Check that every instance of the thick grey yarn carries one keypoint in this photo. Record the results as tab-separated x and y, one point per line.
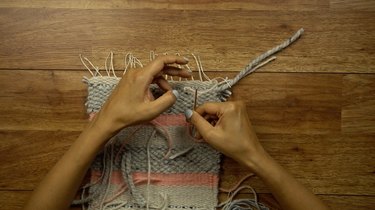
250	68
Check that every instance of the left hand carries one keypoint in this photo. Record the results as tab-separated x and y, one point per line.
131	102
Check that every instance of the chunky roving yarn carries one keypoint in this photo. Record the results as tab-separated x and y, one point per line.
159	165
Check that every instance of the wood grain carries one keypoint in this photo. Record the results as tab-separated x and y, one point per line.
299	5
45	38
335	202
350	5
28	156
327	164
313	108
277	103
14	200
358	113
44	100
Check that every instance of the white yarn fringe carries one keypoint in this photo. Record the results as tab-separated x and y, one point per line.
132	61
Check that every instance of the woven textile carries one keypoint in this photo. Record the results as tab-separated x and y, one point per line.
158	165
189	181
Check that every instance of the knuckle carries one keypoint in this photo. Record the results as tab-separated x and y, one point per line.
232	106
139	75
240	104
236	106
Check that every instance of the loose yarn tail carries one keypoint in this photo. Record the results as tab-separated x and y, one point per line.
241	204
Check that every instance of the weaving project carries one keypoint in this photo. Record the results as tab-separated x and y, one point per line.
159	165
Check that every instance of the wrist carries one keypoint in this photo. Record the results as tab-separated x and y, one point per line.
258	161
97	132
105	126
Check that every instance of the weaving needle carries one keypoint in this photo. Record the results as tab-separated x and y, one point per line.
193	108
195	99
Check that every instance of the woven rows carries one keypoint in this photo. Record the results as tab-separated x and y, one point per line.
126	154
99	88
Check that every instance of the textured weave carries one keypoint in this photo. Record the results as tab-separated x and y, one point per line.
187	171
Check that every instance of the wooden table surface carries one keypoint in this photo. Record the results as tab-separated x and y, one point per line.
313	108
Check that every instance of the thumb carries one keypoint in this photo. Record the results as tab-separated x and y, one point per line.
201	124
164	102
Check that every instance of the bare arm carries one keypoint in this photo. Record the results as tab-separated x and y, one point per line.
130	103
57	189
232	134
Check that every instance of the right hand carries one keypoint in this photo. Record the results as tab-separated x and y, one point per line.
232	134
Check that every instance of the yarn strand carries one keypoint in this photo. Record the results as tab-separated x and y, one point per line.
250	67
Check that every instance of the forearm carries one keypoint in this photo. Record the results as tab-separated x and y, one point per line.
287	190
59	187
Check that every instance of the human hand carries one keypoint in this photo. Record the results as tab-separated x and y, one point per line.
231	132
131	102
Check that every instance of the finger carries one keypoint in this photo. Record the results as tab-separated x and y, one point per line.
210	108
200	123
158	64
163	84
175	71
162	103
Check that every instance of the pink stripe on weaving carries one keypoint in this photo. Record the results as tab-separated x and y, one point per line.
162	120
186	179
92	116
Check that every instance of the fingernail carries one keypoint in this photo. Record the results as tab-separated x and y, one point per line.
186	59
188	113
175	93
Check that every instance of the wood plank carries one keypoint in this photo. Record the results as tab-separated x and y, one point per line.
299	5
226	40
350	5
29	155
358	112
327	164
277	103
349	202
333	201
292	103
44	100
13	200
